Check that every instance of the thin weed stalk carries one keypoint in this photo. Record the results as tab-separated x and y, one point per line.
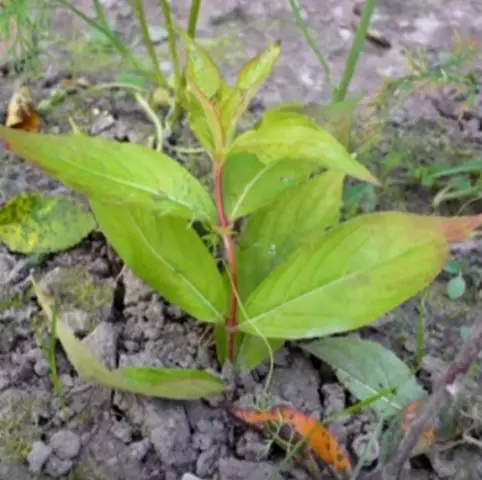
166	12
356	47
193	18
138	8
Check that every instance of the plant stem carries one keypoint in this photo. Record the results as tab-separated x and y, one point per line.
166	12
225	225
138	8
356	46
311	43
193	18
102	27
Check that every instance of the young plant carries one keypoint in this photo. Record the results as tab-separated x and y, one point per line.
290	269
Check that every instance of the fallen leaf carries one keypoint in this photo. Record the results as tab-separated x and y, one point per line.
299	428
21	112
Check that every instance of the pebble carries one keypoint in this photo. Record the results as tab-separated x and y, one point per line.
66	444
38	456
140	449
41	367
56	467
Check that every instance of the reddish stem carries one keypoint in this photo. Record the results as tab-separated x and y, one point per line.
225	225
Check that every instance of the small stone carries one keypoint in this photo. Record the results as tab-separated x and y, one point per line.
56	467
66	444
140	449
207	461
102	124
190	476
66	380
77	320
41	367
123	431
38	456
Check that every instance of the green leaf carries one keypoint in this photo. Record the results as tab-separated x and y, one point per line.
286	135
249	185
366	368
200	69
122	173
35	223
336	118
253	350
156	382
299	215
355	273
131	79
456	287
168	255
249	80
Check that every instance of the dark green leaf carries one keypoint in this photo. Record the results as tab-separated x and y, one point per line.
121	173
168	255
366	368
355	273
35	223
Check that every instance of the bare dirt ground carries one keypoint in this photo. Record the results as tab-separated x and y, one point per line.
100	435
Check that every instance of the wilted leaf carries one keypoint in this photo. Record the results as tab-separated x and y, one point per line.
355	273
21	112
292	427
286	135
120	173
456	229
249	185
156	382
366	368
299	215
168	255
35	223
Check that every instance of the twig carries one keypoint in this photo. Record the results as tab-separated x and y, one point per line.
443	394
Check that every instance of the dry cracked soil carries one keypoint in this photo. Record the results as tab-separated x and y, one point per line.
98	434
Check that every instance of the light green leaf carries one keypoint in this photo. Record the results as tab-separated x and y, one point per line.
456	287
249	80
355	273
168	255
121	173
336	118
252	351
200	68
156	382
35	223
131	79
366	368
286	135
249	185
298	216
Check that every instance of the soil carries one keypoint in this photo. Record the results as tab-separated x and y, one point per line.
101	435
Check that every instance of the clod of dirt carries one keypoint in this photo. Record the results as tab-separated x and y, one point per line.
38	456
66	444
57	467
102	343
234	469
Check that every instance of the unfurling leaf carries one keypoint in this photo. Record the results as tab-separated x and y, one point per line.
249	185
249	80
120	173
287	135
200	69
298	216
366	368
35	223
168	255
355	273
292	427
156	382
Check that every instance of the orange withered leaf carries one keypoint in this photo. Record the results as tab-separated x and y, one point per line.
457	229
315	436
21	111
